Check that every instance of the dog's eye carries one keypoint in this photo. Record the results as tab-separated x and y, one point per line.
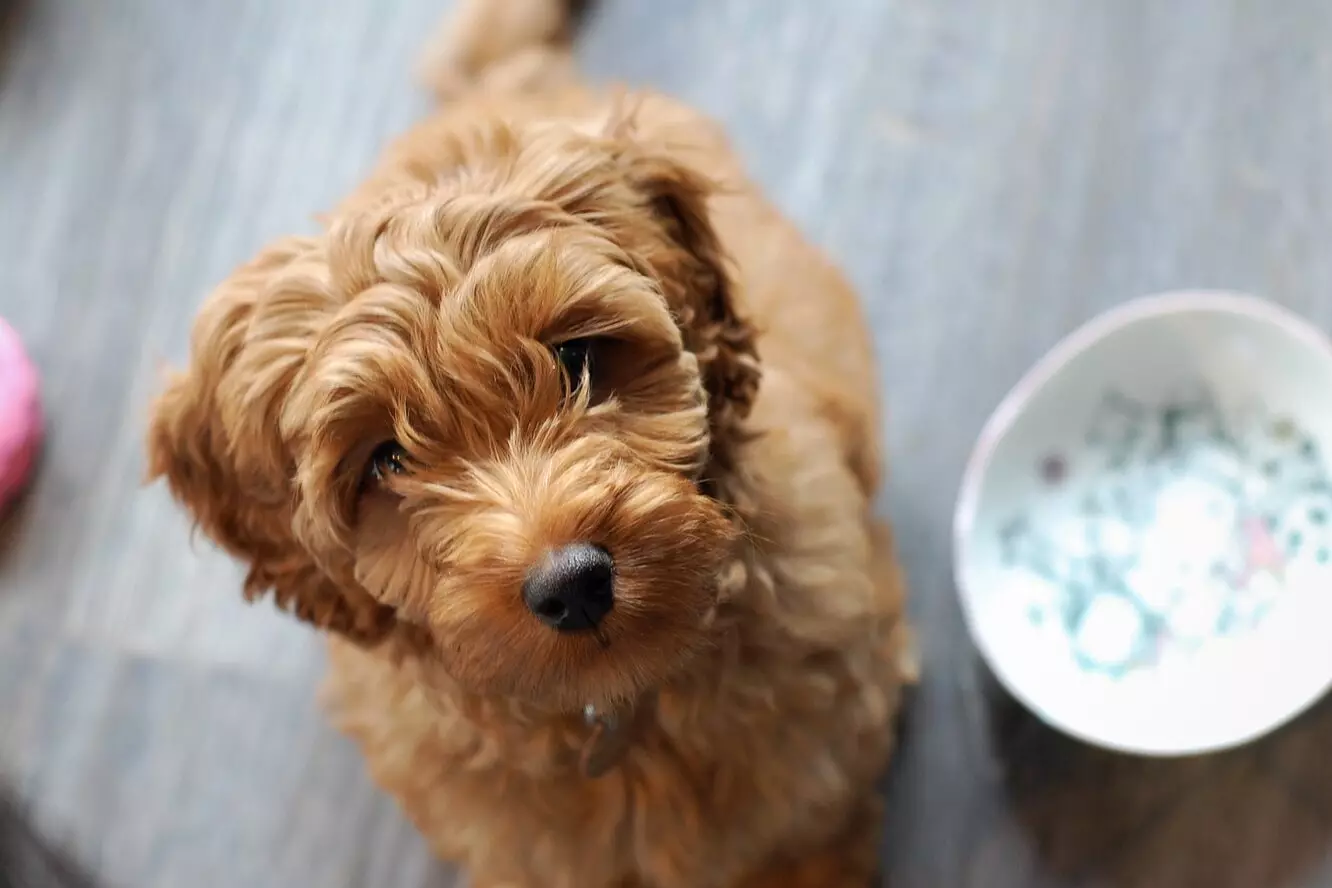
387	459
575	357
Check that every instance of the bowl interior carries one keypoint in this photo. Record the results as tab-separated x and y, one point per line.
1144	538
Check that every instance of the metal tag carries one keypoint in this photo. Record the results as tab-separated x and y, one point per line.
605	745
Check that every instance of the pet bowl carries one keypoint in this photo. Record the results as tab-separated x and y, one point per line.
1143	538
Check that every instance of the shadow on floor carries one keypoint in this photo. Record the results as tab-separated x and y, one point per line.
12	521
1228	820
13	17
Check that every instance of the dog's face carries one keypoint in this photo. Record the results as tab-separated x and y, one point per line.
484	405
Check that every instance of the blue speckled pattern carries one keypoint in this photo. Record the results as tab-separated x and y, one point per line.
1176	525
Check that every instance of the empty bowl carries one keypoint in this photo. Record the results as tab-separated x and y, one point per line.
1143	537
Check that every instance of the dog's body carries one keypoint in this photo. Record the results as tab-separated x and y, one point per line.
740	695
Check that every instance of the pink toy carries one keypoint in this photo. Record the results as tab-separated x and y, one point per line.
20	416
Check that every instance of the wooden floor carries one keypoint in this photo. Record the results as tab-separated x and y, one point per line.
991	174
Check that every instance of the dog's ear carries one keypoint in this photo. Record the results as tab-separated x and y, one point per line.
213	434
696	274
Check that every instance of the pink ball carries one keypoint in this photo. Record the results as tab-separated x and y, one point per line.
20	415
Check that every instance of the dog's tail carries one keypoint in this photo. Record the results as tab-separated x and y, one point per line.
501	44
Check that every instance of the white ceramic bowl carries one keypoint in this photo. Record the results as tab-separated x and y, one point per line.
1143	538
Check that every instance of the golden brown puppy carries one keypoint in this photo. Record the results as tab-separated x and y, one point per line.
569	439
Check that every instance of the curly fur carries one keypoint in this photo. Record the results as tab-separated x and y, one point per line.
757	641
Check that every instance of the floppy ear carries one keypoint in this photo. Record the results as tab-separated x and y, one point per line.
213	434
699	285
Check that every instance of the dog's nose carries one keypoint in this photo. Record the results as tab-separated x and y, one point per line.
572	588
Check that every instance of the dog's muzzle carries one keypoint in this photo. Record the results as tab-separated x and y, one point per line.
572	588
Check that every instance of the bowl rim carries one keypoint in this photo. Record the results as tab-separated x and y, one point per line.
1004	416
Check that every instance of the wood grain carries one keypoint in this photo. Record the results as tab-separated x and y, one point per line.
990	173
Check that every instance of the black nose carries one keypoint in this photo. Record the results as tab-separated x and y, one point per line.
572	588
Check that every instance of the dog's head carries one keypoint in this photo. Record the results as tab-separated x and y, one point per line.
488	405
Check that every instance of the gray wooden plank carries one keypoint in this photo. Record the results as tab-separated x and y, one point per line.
990	173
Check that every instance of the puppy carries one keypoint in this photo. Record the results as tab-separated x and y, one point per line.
569	440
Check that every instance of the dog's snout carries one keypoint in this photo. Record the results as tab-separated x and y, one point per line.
572	588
